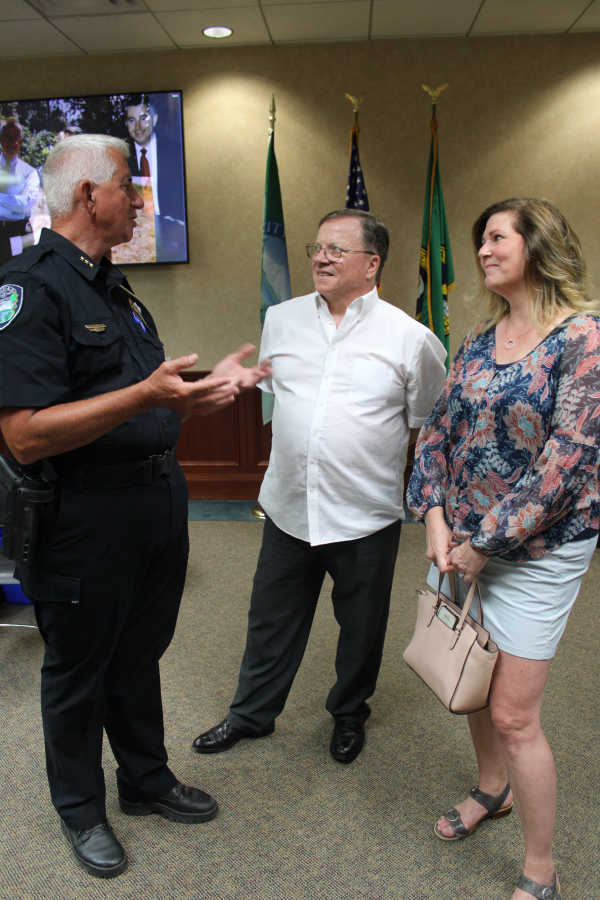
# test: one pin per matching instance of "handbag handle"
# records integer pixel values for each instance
(468, 599)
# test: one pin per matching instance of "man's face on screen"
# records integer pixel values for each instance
(140, 123)
(10, 141)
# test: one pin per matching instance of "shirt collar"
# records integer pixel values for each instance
(11, 162)
(79, 260)
(359, 308)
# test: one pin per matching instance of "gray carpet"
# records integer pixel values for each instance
(294, 824)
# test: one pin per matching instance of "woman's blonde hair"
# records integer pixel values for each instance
(555, 270)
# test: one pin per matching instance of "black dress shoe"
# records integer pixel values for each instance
(97, 849)
(181, 804)
(225, 735)
(347, 741)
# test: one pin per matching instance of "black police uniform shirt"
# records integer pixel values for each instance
(68, 332)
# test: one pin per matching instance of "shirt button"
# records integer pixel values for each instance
(312, 460)
(321, 404)
(329, 376)
(126, 337)
(315, 432)
(164, 421)
(334, 347)
(311, 490)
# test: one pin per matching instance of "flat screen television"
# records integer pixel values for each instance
(152, 125)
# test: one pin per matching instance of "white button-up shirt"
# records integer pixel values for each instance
(18, 189)
(345, 400)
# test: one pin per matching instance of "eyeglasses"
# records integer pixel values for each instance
(331, 252)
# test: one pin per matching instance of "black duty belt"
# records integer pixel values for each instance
(117, 475)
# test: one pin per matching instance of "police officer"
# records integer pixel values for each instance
(86, 389)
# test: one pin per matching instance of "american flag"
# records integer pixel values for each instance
(356, 194)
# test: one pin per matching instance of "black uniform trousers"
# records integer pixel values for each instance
(287, 584)
(106, 586)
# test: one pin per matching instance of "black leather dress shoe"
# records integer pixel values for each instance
(225, 735)
(97, 849)
(181, 804)
(347, 741)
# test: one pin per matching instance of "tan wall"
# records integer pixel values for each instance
(521, 115)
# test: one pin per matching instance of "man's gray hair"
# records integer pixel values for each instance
(82, 157)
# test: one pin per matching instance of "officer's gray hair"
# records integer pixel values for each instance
(81, 157)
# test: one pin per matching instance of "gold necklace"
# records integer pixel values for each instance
(510, 342)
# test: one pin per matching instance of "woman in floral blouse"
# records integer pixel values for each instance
(506, 477)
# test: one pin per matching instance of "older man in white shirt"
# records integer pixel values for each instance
(19, 187)
(352, 377)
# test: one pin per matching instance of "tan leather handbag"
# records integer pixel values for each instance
(451, 651)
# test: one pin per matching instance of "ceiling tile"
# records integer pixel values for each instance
(34, 38)
(186, 27)
(58, 8)
(16, 9)
(518, 17)
(187, 5)
(107, 34)
(324, 21)
(425, 18)
(590, 20)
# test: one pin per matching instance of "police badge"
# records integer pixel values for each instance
(11, 301)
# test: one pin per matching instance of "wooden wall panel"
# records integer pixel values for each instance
(224, 456)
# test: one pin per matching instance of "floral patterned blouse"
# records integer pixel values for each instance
(512, 452)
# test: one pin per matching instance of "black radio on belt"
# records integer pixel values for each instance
(29, 498)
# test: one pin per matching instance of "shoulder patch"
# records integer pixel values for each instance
(11, 301)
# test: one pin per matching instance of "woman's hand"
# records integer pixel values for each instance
(466, 561)
(439, 539)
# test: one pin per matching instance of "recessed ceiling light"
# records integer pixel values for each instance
(217, 31)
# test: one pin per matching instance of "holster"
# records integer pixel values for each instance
(29, 498)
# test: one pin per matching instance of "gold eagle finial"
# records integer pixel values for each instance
(434, 94)
(356, 101)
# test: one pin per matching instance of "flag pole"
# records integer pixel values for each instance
(275, 271)
(436, 272)
(434, 94)
(257, 510)
(272, 111)
(356, 192)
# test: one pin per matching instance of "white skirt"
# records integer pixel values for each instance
(526, 604)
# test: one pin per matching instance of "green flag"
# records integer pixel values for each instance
(436, 272)
(275, 270)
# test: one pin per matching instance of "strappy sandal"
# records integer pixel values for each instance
(541, 891)
(494, 807)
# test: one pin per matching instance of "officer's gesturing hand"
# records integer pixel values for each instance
(209, 394)
(168, 390)
(245, 378)
(33, 433)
